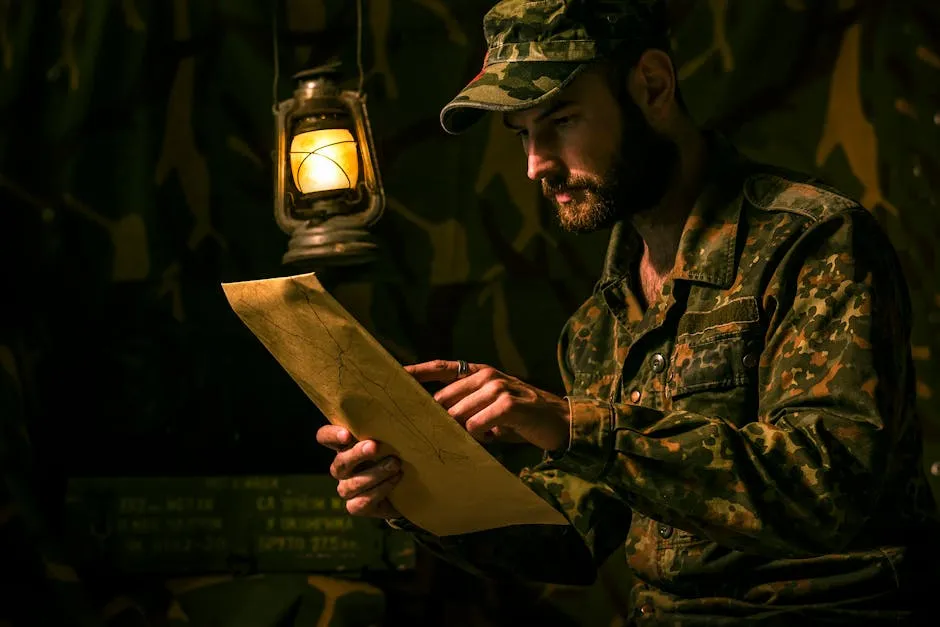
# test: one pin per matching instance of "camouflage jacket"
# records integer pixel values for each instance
(750, 437)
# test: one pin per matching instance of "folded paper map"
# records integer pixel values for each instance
(450, 483)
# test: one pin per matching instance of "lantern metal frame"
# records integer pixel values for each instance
(327, 228)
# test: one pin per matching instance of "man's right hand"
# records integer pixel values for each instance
(365, 472)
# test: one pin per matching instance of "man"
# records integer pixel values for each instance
(740, 407)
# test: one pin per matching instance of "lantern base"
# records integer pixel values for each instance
(324, 246)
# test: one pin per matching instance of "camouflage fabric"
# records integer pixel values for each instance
(758, 420)
(135, 176)
(534, 49)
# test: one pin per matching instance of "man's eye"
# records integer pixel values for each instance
(563, 120)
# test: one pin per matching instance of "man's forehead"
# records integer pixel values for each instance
(520, 115)
(518, 118)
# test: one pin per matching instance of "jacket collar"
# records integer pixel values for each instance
(706, 250)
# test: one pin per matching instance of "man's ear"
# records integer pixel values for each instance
(653, 85)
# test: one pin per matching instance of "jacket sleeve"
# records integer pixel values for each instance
(835, 395)
(599, 521)
(566, 555)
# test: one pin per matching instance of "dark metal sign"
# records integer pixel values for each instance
(224, 524)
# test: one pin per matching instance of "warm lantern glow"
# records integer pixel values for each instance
(324, 160)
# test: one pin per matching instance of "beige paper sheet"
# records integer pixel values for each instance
(451, 484)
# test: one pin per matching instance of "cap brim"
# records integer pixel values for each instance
(507, 86)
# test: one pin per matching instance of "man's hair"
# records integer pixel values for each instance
(656, 36)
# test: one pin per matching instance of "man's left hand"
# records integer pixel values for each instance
(487, 401)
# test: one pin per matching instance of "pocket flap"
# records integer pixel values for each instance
(717, 348)
(698, 326)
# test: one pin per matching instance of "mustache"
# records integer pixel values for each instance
(550, 187)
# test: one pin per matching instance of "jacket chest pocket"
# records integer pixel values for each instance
(714, 365)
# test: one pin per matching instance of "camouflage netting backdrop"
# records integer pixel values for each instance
(136, 175)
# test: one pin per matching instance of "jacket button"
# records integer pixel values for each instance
(635, 396)
(665, 532)
(750, 360)
(658, 362)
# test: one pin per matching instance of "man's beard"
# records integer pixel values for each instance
(635, 182)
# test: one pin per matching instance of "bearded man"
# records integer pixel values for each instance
(740, 406)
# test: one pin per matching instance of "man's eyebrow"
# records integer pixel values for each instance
(554, 107)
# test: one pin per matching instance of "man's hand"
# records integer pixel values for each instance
(366, 473)
(487, 401)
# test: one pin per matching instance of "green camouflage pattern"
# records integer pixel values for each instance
(135, 177)
(762, 410)
(535, 49)
(780, 424)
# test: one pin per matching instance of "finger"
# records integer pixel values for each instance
(374, 502)
(438, 370)
(473, 403)
(346, 462)
(453, 393)
(368, 478)
(489, 417)
(335, 437)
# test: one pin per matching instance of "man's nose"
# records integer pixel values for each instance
(541, 162)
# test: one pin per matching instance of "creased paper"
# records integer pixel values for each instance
(451, 484)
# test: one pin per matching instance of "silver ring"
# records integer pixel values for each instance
(463, 368)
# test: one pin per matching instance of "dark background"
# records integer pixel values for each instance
(136, 176)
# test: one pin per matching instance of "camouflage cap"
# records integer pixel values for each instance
(537, 47)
